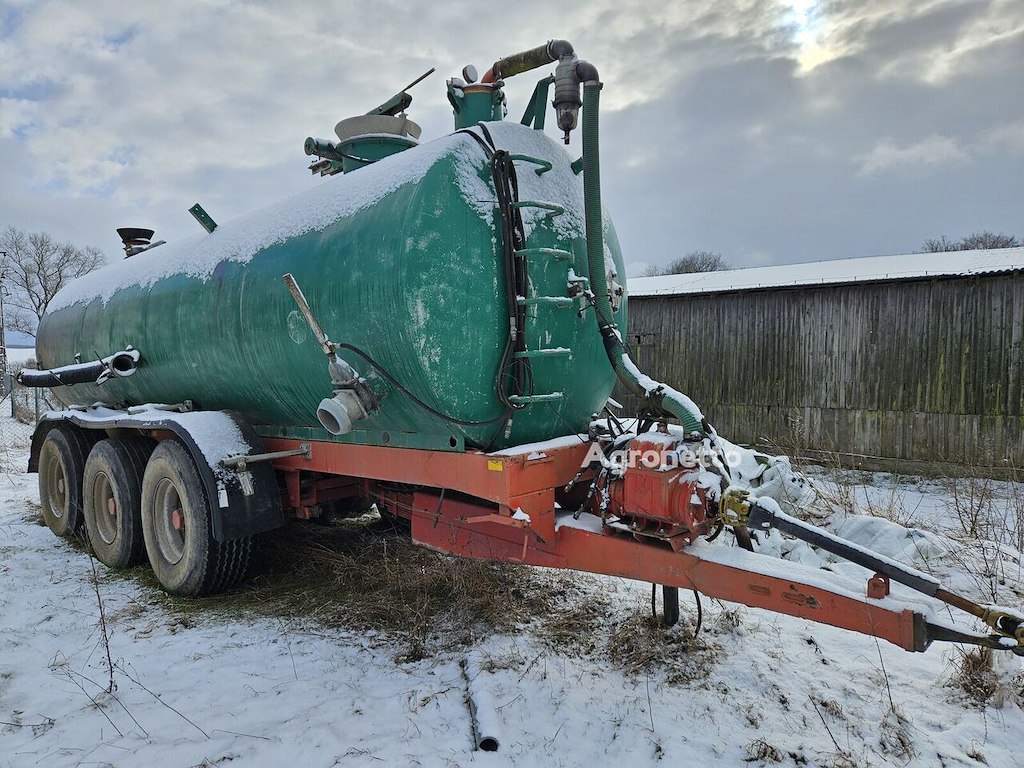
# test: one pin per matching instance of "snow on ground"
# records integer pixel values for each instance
(199, 689)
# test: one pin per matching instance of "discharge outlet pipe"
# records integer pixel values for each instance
(119, 365)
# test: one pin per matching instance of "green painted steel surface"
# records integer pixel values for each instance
(360, 151)
(476, 103)
(414, 279)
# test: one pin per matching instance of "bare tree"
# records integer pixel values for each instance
(974, 241)
(35, 268)
(694, 261)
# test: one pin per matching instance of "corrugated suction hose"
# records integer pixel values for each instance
(660, 397)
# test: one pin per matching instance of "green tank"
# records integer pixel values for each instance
(402, 259)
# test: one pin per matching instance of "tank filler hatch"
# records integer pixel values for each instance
(384, 130)
(136, 240)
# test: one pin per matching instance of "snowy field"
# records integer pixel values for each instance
(243, 688)
(17, 356)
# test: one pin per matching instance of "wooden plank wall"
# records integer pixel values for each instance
(925, 370)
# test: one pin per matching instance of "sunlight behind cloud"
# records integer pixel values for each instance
(807, 21)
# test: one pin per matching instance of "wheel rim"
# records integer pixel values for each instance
(106, 512)
(169, 518)
(56, 485)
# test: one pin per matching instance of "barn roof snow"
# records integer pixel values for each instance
(866, 269)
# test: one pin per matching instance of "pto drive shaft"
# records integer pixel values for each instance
(763, 513)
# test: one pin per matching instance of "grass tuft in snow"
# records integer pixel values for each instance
(984, 678)
(760, 751)
(641, 644)
(574, 625)
(973, 674)
(894, 735)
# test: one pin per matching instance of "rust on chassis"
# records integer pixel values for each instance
(503, 507)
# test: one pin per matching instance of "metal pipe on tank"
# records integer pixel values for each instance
(118, 365)
(517, 63)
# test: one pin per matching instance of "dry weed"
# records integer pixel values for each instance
(34, 513)
(574, 630)
(971, 500)
(849, 760)
(893, 506)
(973, 674)
(833, 491)
(641, 644)
(760, 751)
(364, 578)
(894, 735)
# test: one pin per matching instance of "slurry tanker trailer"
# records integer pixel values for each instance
(435, 329)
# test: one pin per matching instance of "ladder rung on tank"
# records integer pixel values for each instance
(553, 208)
(554, 253)
(528, 399)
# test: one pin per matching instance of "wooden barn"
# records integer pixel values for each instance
(893, 361)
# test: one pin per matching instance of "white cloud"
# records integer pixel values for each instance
(930, 151)
(131, 112)
(1002, 140)
(16, 115)
(1006, 137)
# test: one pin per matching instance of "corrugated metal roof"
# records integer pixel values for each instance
(868, 268)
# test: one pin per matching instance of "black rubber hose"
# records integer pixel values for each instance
(386, 375)
(762, 518)
(83, 373)
(96, 372)
(514, 374)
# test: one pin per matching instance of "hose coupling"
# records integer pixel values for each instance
(1005, 623)
(734, 507)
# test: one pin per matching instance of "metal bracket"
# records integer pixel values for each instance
(204, 219)
(239, 463)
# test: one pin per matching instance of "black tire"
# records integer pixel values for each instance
(176, 526)
(61, 471)
(112, 500)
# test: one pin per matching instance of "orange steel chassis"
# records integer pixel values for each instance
(463, 503)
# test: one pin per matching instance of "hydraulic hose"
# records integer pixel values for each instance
(660, 398)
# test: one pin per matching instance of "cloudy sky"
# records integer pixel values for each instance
(772, 132)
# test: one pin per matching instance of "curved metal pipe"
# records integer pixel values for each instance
(118, 365)
(517, 63)
(660, 398)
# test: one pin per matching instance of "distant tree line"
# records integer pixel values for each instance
(34, 267)
(694, 261)
(712, 261)
(974, 241)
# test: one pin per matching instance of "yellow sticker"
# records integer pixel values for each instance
(495, 466)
